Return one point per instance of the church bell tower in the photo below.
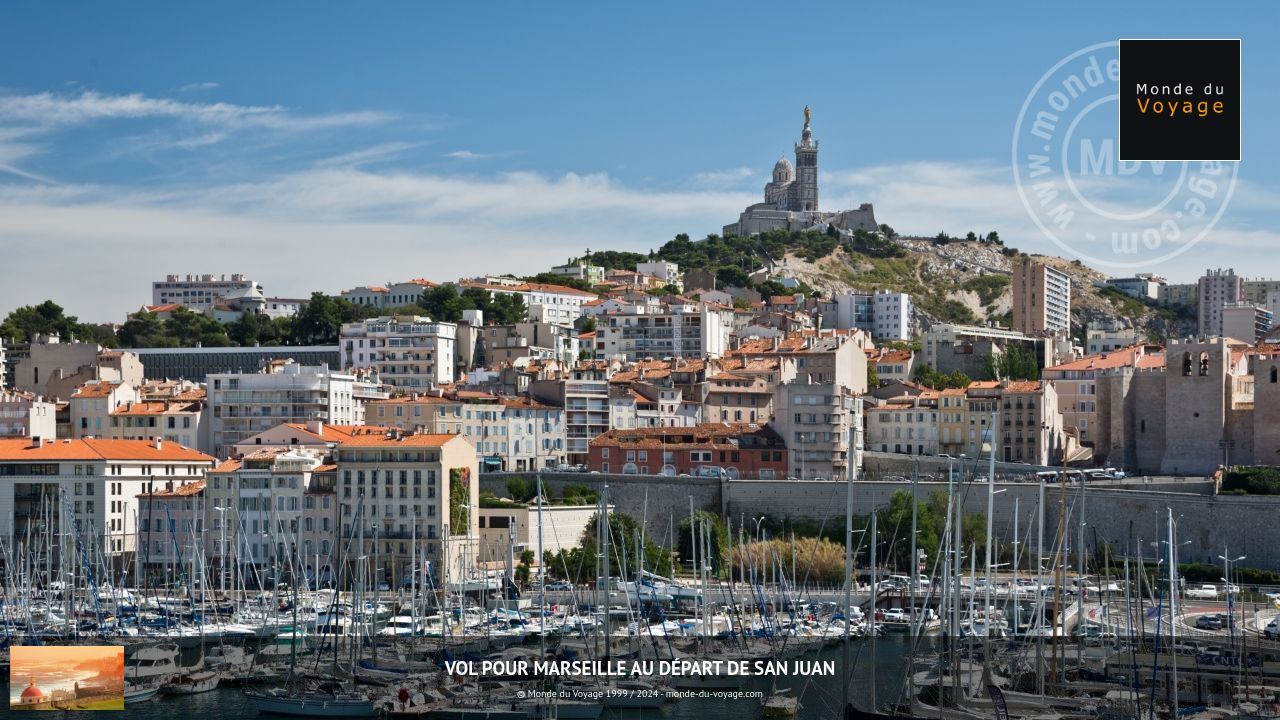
(806, 183)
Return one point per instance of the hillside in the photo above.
(951, 279)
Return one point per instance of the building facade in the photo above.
(198, 292)
(1215, 290)
(245, 404)
(817, 420)
(1041, 298)
(405, 351)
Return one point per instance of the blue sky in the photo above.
(323, 146)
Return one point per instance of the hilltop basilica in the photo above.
(791, 198)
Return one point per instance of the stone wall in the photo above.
(1127, 517)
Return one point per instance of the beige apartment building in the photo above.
(1041, 298)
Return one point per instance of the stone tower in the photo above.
(805, 188)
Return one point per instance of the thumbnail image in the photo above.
(66, 678)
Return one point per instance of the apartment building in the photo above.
(1041, 298)
(55, 369)
(405, 351)
(255, 515)
(690, 330)
(393, 487)
(737, 398)
(242, 405)
(1030, 427)
(907, 424)
(170, 533)
(391, 295)
(51, 486)
(819, 356)
(816, 421)
(732, 450)
(584, 394)
(508, 433)
(24, 414)
(1245, 321)
(1215, 290)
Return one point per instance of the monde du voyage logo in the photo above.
(1143, 182)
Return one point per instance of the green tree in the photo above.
(47, 318)
(189, 328)
(873, 377)
(141, 330)
(894, 526)
(521, 488)
(459, 500)
(320, 321)
(1015, 363)
(719, 540)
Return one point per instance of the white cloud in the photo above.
(50, 110)
(469, 155)
(733, 179)
(365, 156)
(198, 87)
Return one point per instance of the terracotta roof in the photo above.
(397, 440)
(703, 435)
(166, 307)
(984, 385)
(226, 466)
(894, 356)
(98, 449)
(782, 300)
(153, 408)
(340, 433)
(183, 490)
(95, 390)
(1023, 386)
(324, 468)
(420, 281)
(1124, 357)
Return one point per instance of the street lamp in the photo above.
(1226, 570)
(222, 550)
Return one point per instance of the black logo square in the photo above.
(1180, 100)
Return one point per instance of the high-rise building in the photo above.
(1041, 298)
(1216, 289)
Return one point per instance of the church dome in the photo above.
(32, 692)
(782, 171)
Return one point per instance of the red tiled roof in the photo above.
(95, 390)
(183, 490)
(98, 449)
(397, 440)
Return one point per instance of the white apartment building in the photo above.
(24, 414)
(198, 292)
(692, 330)
(255, 512)
(891, 313)
(388, 296)
(584, 395)
(1101, 338)
(667, 272)
(508, 433)
(92, 482)
(245, 404)
(405, 351)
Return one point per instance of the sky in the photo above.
(323, 146)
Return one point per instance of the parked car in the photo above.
(1272, 630)
(1204, 592)
(1208, 622)
(559, 585)
(895, 615)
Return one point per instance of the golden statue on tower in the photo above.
(806, 114)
